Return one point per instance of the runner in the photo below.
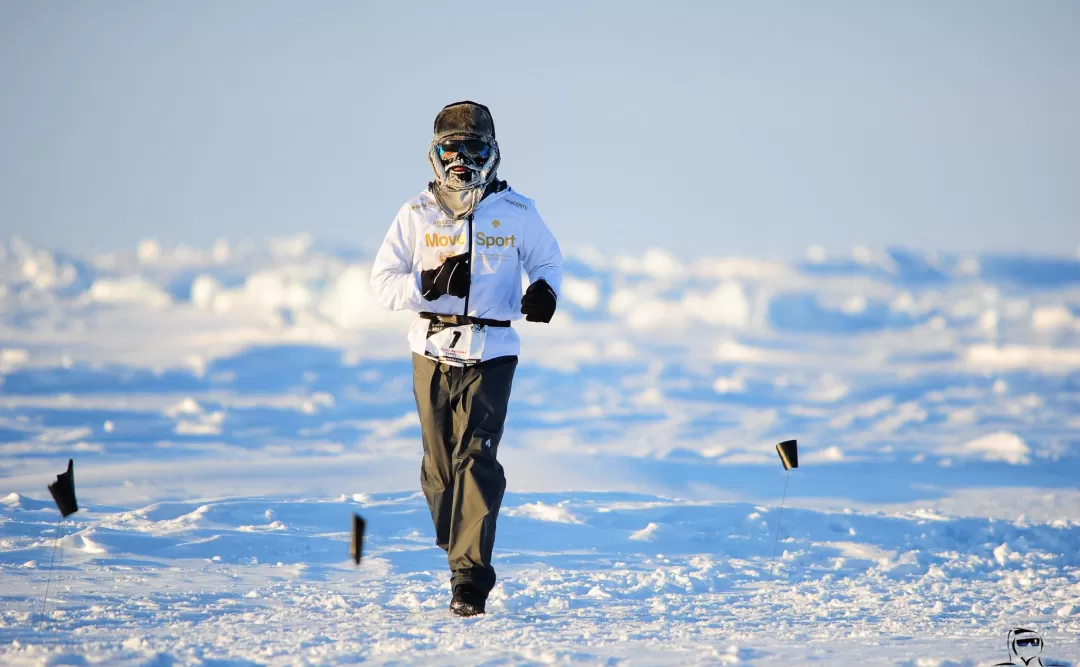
(454, 255)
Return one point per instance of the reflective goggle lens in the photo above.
(1027, 642)
(475, 147)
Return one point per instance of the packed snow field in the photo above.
(228, 409)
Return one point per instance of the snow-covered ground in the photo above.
(229, 408)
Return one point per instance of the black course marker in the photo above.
(789, 456)
(357, 546)
(63, 492)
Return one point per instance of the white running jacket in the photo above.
(505, 234)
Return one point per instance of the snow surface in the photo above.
(229, 408)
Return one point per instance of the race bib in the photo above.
(457, 345)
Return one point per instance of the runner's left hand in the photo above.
(539, 301)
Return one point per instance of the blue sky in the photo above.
(704, 128)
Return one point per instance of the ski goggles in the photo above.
(471, 147)
(1032, 641)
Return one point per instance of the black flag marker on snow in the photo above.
(789, 453)
(357, 546)
(63, 491)
(789, 456)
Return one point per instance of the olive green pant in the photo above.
(462, 411)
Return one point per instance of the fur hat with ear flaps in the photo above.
(464, 118)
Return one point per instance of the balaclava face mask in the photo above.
(459, 184)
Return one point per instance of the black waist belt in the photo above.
(464, 319)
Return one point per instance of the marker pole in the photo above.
(48, 582)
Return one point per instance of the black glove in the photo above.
(538, 304)
(452, 277)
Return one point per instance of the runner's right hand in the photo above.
(452, 277)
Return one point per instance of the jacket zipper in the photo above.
(469, 250)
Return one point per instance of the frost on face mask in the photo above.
(461, 171)
(460, 178)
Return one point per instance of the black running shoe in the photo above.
(468, 601)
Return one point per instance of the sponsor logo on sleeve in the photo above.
(514, 202)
